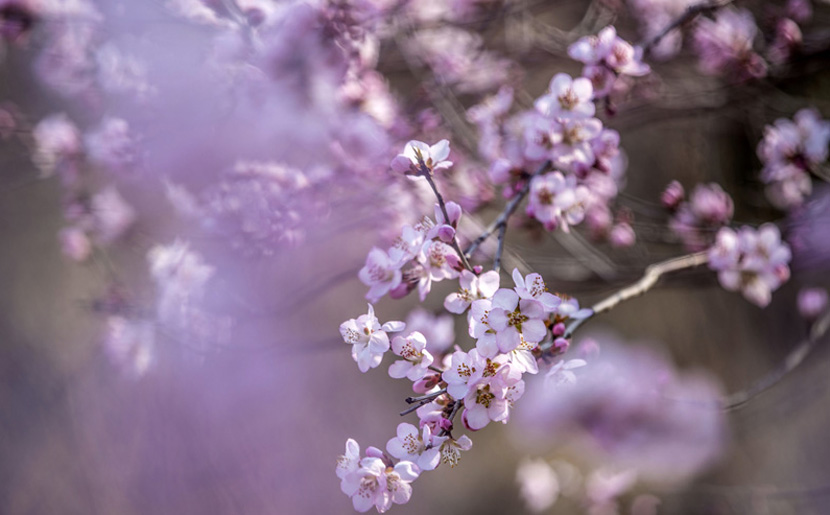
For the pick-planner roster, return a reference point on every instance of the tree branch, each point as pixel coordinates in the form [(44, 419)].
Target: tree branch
[(509, 209), (649, 279)]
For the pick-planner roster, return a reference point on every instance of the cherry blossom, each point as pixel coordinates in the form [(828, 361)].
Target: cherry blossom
[(434, 157), (380, 273), (567, 98), (416, 360), (368, 338), (472, 287), (376, 484), (410, 446), (752, 261)]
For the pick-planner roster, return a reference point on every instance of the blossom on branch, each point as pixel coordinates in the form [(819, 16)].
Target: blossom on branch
[(417, 153)]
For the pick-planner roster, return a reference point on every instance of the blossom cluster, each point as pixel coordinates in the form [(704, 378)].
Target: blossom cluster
[(791, 151), (562, 130), (60, 148), (420, 256), (753, 261), (509, 326), (695, 221)]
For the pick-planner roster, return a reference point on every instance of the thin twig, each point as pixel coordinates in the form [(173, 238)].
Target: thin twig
[(427, 174), (509, 209), (649, 279), (500, 248), (455, 408), (427, 397), (794, 359)]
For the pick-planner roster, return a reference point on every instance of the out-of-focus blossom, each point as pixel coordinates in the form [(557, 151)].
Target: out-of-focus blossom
[(130, 344), (673, 195), (787, 39), (113, 146), (724, 44), (111, 215), (754, 261), (557, 201), (75, 243), (695, 221), (567, 98), (181, 276), (790, 151), (807, 231), (439, 330), (458, 58), (630, 409), (622, 235), (538, 484), (607, 57), (380, 274), (58, 146), (655, 16), (812, 302)]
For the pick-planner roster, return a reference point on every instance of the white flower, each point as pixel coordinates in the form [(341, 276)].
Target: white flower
[(417, 152), (416, 359), (368, 338), (410, 446), (472, 287), (534, 287), (567, 98)]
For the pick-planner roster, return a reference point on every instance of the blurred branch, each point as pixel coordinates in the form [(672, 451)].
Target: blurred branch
[(794, 359), (690, 14)]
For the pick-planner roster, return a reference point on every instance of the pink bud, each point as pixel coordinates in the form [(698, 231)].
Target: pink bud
[(446, 233), (402, 290), (560, 345), (454, 212), (558, 329), (672, 195), (402, 164), (374, 452), (622, 235), (588, 348)]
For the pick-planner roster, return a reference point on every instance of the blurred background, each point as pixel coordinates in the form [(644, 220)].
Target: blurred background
[(246, 409)]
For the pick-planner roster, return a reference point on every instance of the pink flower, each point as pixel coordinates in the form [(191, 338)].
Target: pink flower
[(725, 44), (812, 302), (376, 484), (58, 146), (557, 201), (368, 338), (538, 484), (472, 287), (380, 273), (410, 446), (416, 359), (533, 287), (75, 243), (753, 261), (567, 98), (417, 152)]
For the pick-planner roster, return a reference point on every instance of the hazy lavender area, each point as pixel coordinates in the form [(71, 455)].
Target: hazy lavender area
[(448, 257)]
